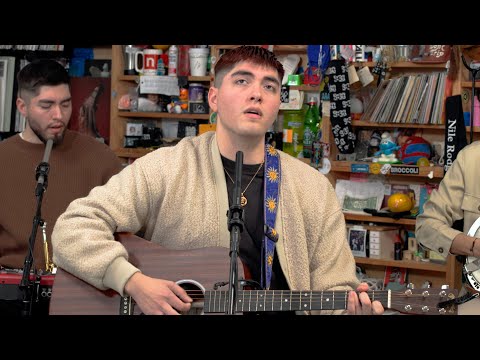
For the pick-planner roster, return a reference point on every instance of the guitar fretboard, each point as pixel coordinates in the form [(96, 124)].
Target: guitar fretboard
[(285, 300)]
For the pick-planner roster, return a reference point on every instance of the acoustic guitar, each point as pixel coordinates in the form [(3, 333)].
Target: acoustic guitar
[(201, 271)]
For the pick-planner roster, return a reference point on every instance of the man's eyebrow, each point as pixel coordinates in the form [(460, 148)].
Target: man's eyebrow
[(48, 101), (249, 73), (272, 79), (242, 72)]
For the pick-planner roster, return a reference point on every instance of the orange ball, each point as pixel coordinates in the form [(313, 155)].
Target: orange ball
[(399, 202)]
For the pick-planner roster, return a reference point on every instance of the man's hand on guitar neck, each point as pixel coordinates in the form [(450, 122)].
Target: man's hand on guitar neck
[(157, 296), (361, 305)]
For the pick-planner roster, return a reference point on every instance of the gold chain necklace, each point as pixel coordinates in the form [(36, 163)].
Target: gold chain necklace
[(243, 199)]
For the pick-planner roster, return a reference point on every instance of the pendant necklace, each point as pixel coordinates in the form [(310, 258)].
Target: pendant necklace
[(243, 199)]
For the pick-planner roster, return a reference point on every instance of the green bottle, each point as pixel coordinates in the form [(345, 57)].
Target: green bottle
[(310, 128), (293, 132)]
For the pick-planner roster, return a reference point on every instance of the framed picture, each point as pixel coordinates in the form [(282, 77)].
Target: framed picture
[(357, 239), (395, 278)]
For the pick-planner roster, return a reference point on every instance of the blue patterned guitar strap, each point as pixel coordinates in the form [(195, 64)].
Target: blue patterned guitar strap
[(272, 185)]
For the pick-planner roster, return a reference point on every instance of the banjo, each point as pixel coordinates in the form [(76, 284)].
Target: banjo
[(472, 264)]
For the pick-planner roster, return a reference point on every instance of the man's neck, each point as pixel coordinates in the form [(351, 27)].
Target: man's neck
[(29, 136), (253, 150)]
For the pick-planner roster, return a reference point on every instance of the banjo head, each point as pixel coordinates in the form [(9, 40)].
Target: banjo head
[(472, 264)]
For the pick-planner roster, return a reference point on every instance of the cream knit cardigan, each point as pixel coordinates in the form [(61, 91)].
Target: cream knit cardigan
[(179, 196)]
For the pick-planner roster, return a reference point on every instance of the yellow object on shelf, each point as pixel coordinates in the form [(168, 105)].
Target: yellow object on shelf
[(423, 161), (161, 47), (399, 202)]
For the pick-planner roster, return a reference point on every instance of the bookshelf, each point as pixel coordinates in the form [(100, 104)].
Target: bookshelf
[(438, 274), (118, 119)]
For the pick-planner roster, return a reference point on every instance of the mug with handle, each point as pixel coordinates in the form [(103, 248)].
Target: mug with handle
[(149, 61)]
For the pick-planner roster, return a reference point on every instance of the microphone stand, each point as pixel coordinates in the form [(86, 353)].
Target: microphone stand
[(41, 174), (235, 226)]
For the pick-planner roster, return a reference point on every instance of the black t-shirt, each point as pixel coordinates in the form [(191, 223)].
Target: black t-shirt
[(251, 238)]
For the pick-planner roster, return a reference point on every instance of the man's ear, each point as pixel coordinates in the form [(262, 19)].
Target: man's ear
[(22, 106), (212, 98)]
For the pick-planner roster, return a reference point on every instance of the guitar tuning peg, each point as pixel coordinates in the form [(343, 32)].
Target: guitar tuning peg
[(411, 286)]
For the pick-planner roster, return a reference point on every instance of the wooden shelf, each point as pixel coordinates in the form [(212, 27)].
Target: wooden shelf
[(362, 123), (366, 124), (369, 64), (284, 48), (475, 129), (409, 264), (129, 78), (290, 48), (132, 152), (140, 114), (346, 166), (305, 87), (378, 219), (468, 84), (412, 65), (136, 78)]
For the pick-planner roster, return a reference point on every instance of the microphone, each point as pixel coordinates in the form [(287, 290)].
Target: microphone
[(237, 190), (48, 150), (43, 167)]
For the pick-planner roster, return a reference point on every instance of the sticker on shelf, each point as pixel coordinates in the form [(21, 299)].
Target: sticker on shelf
[(359, 168), (326, 166), (404, 170), (375, 168), (385, 169)]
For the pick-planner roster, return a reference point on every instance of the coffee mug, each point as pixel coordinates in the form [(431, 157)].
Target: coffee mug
[(149, 61)]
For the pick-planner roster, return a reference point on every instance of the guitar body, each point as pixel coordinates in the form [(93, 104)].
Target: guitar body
[(192, 268), (199, 270)]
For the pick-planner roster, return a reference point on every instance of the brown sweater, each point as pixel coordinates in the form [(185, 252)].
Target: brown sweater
[(76, 166)]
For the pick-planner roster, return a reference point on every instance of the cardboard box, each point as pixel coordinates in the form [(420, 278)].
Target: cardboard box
[(380, 241)]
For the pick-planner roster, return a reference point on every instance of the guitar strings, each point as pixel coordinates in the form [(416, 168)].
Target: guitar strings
[(271, 298)]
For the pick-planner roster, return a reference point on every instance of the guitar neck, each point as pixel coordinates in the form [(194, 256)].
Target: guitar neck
[(285, 300)]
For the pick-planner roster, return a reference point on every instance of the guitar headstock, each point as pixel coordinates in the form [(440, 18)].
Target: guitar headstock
[(430, 301)]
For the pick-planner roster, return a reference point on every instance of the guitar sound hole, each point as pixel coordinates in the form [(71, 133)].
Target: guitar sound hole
[(197, 292)]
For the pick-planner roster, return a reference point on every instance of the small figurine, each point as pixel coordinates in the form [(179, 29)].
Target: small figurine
[(413, 149), (387, 150), (179, 104), (374, 143)]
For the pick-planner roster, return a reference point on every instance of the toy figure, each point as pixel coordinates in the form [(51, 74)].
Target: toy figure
[(413, 149), (179, 104), (387, 150)]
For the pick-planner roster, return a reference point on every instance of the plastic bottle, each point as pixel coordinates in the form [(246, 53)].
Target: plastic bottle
[(160, 67), (172, 60), (293, 132), (476, 110), (317, 149), (397, 248), (310, 128)]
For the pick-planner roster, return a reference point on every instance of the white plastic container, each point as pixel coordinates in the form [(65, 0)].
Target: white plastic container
[(198, 61)]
